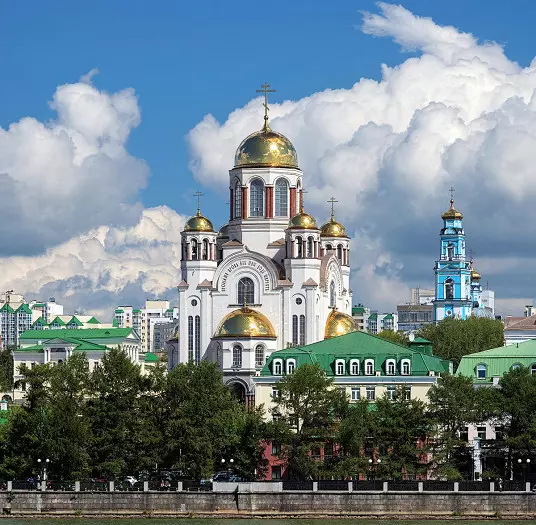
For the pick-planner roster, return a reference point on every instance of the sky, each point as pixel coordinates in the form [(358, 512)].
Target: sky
[(116, 113)]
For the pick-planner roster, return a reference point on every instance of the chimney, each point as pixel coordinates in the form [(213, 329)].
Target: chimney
[(529, 310)]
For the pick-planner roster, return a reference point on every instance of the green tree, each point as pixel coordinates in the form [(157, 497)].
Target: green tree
[(399, 338), (309, 407), (452, 338), (6, 368)]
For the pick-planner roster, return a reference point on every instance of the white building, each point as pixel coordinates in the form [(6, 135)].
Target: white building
[(376, 322), (269, 278)]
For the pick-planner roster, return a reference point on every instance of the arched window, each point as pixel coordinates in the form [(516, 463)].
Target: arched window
[(256, 196), (205, 249), (515, 366), (299, 246), (310, 245), (237, 356), (302, 330), (369, 367), (406, 367), (237, 200), (259, 356), (277, 367), (190, 338), (481, 371), (246, 291), (332, 294), (450, 250), (197, 339), (339, 252), (291, 365), (194, 250), (295, 330), (329, 247), (339, 367), (281, 198), (390, 367), (449, 289), (354, 367)]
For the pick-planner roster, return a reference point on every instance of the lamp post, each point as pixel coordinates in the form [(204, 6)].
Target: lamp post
[(373, 467), (525, 464), (229, 465), (43, 465)]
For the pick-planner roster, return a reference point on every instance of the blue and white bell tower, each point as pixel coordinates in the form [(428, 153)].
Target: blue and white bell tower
[(452, 270)]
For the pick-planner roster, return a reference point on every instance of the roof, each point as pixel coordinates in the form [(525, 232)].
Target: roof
[(358, 310), (6, 308), (358, 345), (78, 333), (151, 358), (79, 344), (24, 308), (388, 316), (75, 320), (520, 323), (58, 320)]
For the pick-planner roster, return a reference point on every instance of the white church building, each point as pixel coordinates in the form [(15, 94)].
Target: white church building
[(269, 278)]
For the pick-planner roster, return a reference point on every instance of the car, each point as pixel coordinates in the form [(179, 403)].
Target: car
[(131, 480)]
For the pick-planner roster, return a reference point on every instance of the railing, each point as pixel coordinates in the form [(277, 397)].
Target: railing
[(438, 485), (333, 484), (409, 485), (297, 485), (367, 484), (197, 486), (474, 485)]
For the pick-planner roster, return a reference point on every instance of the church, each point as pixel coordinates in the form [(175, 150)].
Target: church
[(270, 278)]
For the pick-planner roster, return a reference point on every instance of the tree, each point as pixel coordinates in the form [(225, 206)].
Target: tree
[(400, 338), (452, 338), (6, 368), (309, 408)]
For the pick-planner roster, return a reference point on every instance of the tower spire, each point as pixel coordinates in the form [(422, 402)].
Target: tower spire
[(198, 194), (332, 201), (265, 88)]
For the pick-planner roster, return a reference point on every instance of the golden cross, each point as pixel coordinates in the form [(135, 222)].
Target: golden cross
[(471, 254), (332, 201), (265, 89), (198, 194), (451, 191)]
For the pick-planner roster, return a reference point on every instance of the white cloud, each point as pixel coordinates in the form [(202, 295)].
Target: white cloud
[(461, 113)]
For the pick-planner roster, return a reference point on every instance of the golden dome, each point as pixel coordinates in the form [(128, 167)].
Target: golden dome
[(266, 148), (303, 221), (339, 324), (475, 276), (452, 213), (245, 323), (332, 228), (198, 223)]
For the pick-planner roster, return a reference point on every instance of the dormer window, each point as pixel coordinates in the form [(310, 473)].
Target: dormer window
[(369, 367), (390, 367), (277, 367), (405, 367), (339, 367), (481, 371), (354, 367), (291, 366)]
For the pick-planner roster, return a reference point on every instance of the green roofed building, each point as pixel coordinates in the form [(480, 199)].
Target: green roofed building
[(364, 365)]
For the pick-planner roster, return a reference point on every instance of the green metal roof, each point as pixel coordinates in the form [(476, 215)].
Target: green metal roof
[(373, 317), (7, 308), (58, 321), (358, 310), (40, 321), (151, 358), (119, 311), (388, 316), (38, 305), (76, 321), (115, 324), (79, 344), (78, 333), (34, 348), (24, 308), (358, 345), (136, 310), (93, 321)]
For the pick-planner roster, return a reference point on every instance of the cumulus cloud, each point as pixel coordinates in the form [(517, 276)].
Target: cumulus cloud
[(107, 266), (73, 173), (460, 113)]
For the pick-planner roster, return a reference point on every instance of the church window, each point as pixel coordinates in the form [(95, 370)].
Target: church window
[(302, 330), (259, 356), (246, 291), (197, 339), (281, 198), (256, 195), (299, 246), (449, 289), (369, 367), (332, 294), (278, 367), (194, 250), (237, 200), (299, 301), (310, 244), (237, 356), (390, 367), (190, 338), (194, 302), (291, 365), (205, 249), (329, 247), (339, 367), (406, 367), (450, 250), (295, 330), (481, 371), (354, 367), (339, 252)]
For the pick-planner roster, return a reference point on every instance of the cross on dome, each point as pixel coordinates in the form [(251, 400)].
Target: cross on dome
[(332, 201), (265, 89)]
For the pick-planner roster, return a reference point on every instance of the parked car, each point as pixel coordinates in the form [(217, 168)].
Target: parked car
[(131, 480)]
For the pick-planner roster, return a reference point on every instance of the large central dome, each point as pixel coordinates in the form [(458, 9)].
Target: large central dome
[(266, 148)]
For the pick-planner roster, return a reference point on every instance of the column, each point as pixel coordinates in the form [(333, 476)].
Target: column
[(244, 202), (292, 202), (231, 204), (188, 251), (269, 206)]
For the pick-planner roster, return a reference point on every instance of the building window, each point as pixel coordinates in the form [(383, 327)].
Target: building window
[(295, 330), (328, 449), (481, 432), (237, 356), (190, 338), (369, 367), (281, 198), (197, 339), (256, 195), (194, 245), (329, 247), (299, 247), (259, 356), (291, 365), (407, 393), (391, 393), (275, 393), (533, 369), (205, 249), (339, 252), (246, 291), (302, 330), (449, 289), (390, 367), (276, 448), (499, 433), (276, 473), (237, 200), (481, 371), (450, 251), (464, 434), (310, 245), (515, 366), (356, 393), (354, 367), (339, 367), (371, 393), (332, 294), (406, 367), (278, 367)]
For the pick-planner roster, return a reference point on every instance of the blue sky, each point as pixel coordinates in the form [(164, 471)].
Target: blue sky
[(187, 59)]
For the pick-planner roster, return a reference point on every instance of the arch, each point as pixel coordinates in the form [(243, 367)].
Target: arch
[(238, 390), (329, 247), (237, 200), (277, 367), (281, 198), (260, 352), (290, 366), (339, 367), (195, 249), (310, 247), (299, 247), (256, 198), (245, 291), (354, 367), (332, 295), (481, 370), (405, 367), (369, 367), (449, 288), (237, 356), (205, 255), (339, 252), (390, 367)]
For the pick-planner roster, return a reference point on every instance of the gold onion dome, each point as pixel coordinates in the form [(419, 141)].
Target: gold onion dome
[(332, 228), (198, 223), (246, 323), (475, 276), (452, 212), (339, 323), (302, 221)]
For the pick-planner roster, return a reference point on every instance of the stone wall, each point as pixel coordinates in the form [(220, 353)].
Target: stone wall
[(399, 504)]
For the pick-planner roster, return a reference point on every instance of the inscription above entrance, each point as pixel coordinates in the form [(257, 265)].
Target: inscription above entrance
[(240, 265)]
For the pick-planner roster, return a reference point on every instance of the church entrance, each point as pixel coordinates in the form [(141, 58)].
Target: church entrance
[(238, 390)]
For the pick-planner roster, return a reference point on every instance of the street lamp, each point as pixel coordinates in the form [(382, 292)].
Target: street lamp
[(43, 465), (229, 466), (373, 466), (525, 463)]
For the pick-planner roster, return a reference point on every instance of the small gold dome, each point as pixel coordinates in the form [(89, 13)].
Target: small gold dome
[(332, 228), (198, 223), (245, 323), (339, 323), (303, 221), (452, 213), (475, 276), (266, 148)]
